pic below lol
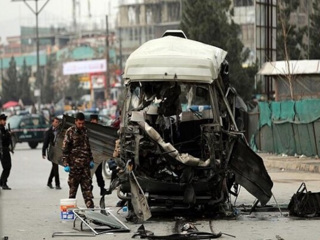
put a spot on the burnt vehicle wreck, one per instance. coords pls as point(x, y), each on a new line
point(180, 145)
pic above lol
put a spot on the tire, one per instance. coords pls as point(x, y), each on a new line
point(33, 145)
point(106, 170)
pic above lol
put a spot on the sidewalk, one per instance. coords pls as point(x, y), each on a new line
point(299, 163)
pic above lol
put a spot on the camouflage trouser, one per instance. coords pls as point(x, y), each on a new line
point(81, 176)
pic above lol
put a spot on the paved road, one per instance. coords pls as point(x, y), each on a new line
point(31, 210)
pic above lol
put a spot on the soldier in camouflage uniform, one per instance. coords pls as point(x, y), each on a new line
point(77, 159)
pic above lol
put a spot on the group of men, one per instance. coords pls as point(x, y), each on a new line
point(76, 156)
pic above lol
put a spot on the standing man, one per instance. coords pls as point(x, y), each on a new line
point(94, 119)
point(49, 139)
point(77, 160)
point(5, 144)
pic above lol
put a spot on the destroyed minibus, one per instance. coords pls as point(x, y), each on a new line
point(180, 146)
point(179, 139)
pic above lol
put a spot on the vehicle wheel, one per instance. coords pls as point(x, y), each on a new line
point(33, 145)
point(106, 170)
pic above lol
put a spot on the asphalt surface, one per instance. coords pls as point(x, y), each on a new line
point(32, 211)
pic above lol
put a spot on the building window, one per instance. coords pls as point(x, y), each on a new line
point(243, 3)
point(174, 11)
point(136, 34)
point(132, 16)
point(149, 16)
point(130, 34)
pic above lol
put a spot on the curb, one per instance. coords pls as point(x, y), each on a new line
point(292, 163)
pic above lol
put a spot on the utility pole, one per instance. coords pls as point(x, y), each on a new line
point(1, 57)
point(308, 12)
point(36, 12)
point(120, 39)
point(108, 90)
point(74, 18)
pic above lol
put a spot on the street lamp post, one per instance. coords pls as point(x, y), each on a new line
point(1, 58)
point(36, 12)
point(120, 53)
point(107, 93)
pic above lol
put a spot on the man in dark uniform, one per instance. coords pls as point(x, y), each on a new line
point(94, 118)
point(49, 138)
point(5, 144)
point(77, 159)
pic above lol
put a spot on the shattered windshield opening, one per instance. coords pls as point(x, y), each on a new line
point(174, 110)
point(169, 139)
point(169, 94)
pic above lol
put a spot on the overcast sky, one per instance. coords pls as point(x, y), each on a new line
point(55, 13)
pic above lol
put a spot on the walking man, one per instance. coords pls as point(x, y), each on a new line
point(95, 119)
point(77, 159)
point(5, 144)
point(49, 140)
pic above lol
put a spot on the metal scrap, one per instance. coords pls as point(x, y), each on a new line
point(94, 222)
point(304, 203)
point(194, 235)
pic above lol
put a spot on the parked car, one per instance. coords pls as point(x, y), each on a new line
point(28, 128)
point(88, 112)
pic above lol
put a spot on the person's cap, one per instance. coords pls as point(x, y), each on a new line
point(3, 116)
point(94, 117)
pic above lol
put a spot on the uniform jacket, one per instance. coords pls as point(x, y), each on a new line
point(76, 149)
point(5, 139)
point(49, 138)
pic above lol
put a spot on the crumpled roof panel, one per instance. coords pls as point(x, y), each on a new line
point(174, 58)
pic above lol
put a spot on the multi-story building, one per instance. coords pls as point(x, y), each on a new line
point(144, 20)
point(65, 46)
point(13, 47)
point(245, 16)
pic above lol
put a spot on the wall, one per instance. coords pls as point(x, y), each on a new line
point(288, 127)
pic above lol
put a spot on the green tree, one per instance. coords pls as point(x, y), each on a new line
point(24, 86)
point(289, 37)
point(47, 87)
point(74, 91)
point(314, 50)
point(10, 83)
point(210, 22)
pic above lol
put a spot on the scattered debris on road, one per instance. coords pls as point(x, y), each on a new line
point(194, 235)
point(304, 203)
point(94, 222)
